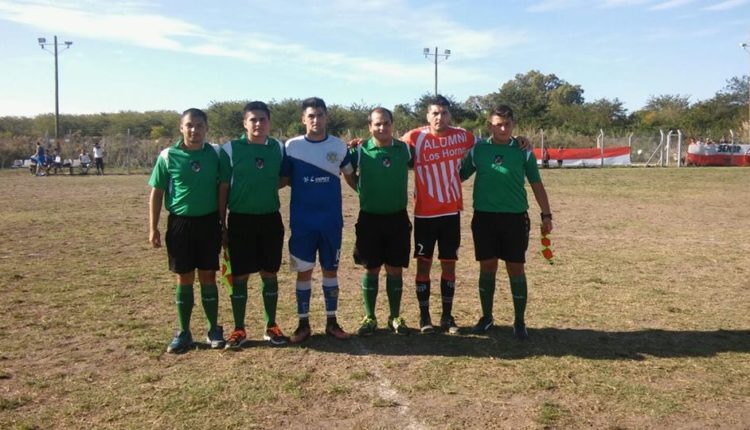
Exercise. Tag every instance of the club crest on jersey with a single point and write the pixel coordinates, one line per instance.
(498, 160)
(195, 166)
(260, 163)
(332, 157)
(387, 161)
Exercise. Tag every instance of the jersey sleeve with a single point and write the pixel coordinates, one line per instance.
(225, 166)
(159, 176)
(354, 155)
(467, 166)
(408, 138)
(530, 167)
(346, 164)
(286, 164)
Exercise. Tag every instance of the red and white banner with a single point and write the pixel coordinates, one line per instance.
(701, 154)
(586, 157)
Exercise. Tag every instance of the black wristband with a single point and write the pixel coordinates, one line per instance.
(546, 216)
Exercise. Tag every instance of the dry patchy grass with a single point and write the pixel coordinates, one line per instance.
(642, 322)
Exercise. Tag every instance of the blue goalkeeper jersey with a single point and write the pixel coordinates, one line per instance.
(313, 168)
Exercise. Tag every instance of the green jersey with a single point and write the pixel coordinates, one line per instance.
(501, 171)
(189, 179)
(252, 172)
(383, 176)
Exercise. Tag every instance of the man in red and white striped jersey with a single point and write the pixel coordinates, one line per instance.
(438, 151)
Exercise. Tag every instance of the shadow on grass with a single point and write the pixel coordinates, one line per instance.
(554, 342)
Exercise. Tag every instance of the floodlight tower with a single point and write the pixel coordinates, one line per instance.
(436, 56)
(746, 47)
(43, 44)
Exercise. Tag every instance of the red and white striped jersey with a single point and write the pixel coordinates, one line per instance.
(437, 161)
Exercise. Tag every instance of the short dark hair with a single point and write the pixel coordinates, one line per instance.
(438, 100)
(380, 110)
(195, 112)
(503, 111)
(256, 105)
(314, 102)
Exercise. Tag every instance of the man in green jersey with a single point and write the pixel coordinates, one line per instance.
(248, 184)
(383, 229)
(500, 226)
(187, 175)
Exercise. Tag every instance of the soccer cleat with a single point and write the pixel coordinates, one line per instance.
(398, 325)
(335, 330)
(519, 331)
(301, 334)
(215, 337)
(274, 336)
(181, 342)
(448, 324)
(236, 339)
(368, 327)
(483, 325)
(425, 324)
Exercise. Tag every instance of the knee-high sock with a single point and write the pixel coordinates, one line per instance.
(423, 296)
(184, 301)
(210, 300)
(447, 289)
(369, 293)
(486, 292)
(394, 285)
(269, 288)
(303, 290)
(519, 290)
(239, 301)
(331, 295)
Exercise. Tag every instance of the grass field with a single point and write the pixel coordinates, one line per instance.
(642, 322)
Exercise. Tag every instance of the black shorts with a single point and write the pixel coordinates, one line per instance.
(445, 230)
(99, 162)
(255, 242)
(382, 239)
(193, 242)
(500, 235)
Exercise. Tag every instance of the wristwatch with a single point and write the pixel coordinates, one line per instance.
(546, 216)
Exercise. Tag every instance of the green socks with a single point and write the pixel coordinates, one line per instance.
(519, 291)
(369, 293)
(239, 301)
(269, 288)
(393, 287)
(184, 301)
(487, 292)
(210, 300)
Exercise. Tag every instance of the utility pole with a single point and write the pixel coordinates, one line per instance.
(746, 47)
(43, 44)
(436, 56)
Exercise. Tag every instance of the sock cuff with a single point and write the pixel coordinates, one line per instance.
(269, 282)
(449, 278)
(303, 285)
(486, 275)
(208, 288)
(393, 278)
(330, 282)
(239, 283)
(184, 288)
(517, 279)
(423, 278)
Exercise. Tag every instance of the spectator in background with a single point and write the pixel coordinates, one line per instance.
(99, 159)
(39, 158)
(56, 161)
(545, 158)
(85, 161)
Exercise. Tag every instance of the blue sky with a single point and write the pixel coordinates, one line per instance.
(152, 55)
